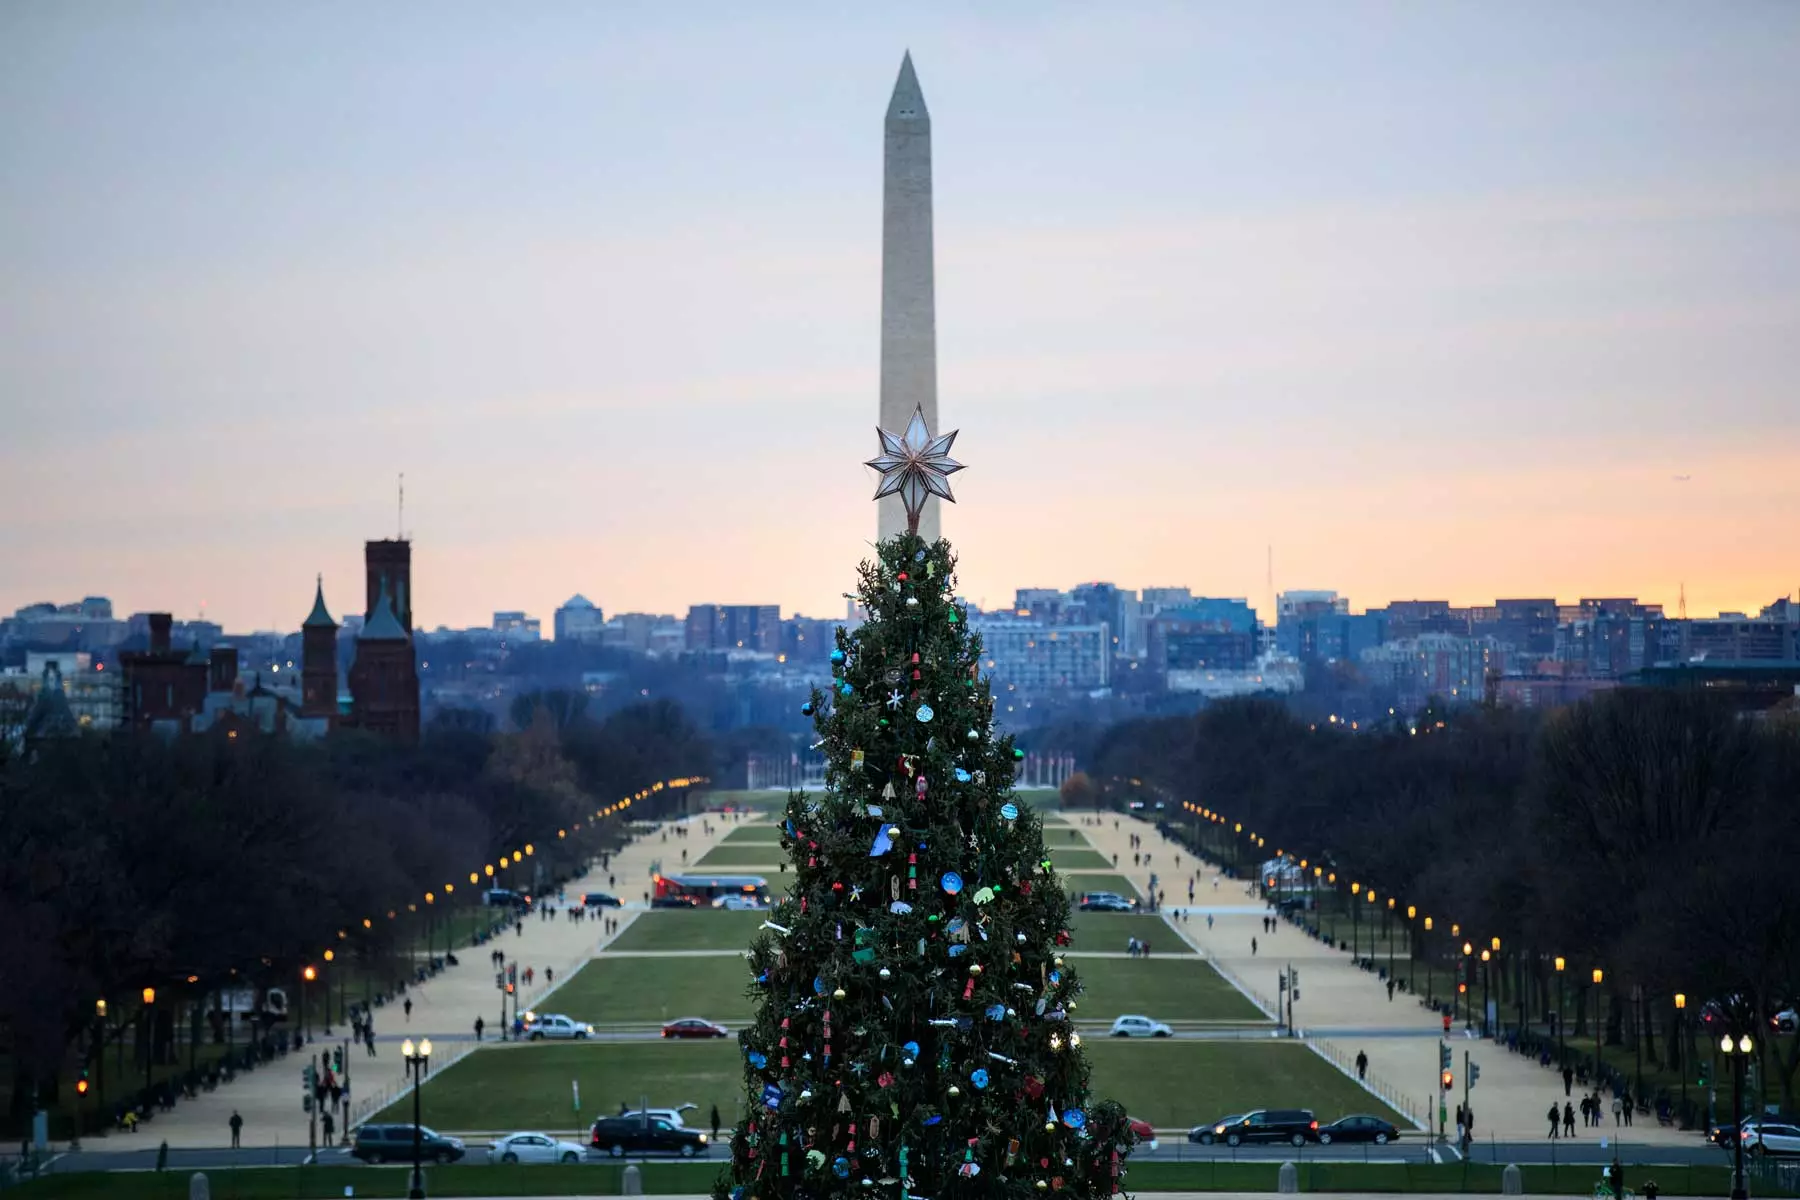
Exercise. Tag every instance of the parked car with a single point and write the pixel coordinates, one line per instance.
(601, 900)
(1206, 1135)
(554, 1025)
(394, 1143)
(694, 1027)
(640, 1134)
(1100, 903)
(1358, 1129)
(1139, 1027)
(1293, 1125)
(1767, 1137)
(534, 1148)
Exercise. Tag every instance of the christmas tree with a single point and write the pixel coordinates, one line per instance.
(914, 1033)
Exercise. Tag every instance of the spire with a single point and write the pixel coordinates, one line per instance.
(908, 102)
(382, 625)
(320, 617)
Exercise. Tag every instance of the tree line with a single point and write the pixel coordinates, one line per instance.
(1651, 834)
(207, 862)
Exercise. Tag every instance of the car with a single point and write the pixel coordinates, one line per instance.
(1358, 1129)
(601, 900)
(506, 898)
(672, 1115)
(534, 1148)
(1139, 1027)
(737, 903)
(1768, 1137)
(1146, 1133)
(694, 1027)
(1206, 1135)
(1785, 1021)
(394, 1143)
(1106, 904)
(640, 1133)
(675, 902)
(1293, 1125)
(554, 1025)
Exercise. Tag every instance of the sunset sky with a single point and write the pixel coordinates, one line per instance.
(1449, 300)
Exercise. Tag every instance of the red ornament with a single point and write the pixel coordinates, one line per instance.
(901, 577)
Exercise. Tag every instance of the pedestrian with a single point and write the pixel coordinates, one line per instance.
(549, 976)
(1209, 920)
(407, 1008)
(1390, 991)
(1568, 1119)
(337, 1093)
(237, 1127)
(1252, 947)
(1468, 1127)
(369, 1039)
(715, 1123)
(1190, 891)
(326, 1125)
(1568, 1074)
(1625, 1103)
(1553, 1118)
(479, 1026)
(1115, 859)
(1362, 1065)
(1144, 948)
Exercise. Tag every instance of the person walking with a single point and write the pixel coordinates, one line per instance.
(407, 1008)
(549, 976)
(369, 1039)
(1626, 1104)
(1252, 947)
(479, 1026)
(326, 1125)
(1568, 1078)
(1568, 1119)
(1362, 1065)
(237, 1127)
(715, 1124)
(1209, 920)
(1554, 1123)
(1390, 991)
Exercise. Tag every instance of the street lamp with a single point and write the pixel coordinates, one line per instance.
(1355, 929)
(1681, 1046)
(307, 975)
(1562, 1011)
(1462, 982)
(1486, 974)
(1387, 931)
(149, 1038)
(1430, 967)
(416, 1062)
(100, 1053)
(1736, 1051)
(1599, 978)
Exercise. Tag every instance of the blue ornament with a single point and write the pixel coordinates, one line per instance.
(837, 658)
(978, 1077)
(840, 1166)
(1074, 1118)
(952, 882)
(819, 984)
(924, 714)
(737, 1193)
(843, 687)
(1010, 811)
(771, 1096)
(911, 1048)
(957, 948)
(962, 776)
(758, 1059)
(996, 1012)
(883, 841)
(933, 1119)
(1055, 977)
(806, 710)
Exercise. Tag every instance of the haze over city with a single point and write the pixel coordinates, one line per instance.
(1438, 302)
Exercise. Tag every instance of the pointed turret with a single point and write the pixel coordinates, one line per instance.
(908, 101)
(382, 625)
(320, 617)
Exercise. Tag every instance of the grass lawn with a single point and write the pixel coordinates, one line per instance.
(1094, 881)
(1042, 799)
(1108, 932)
(703, 929)
(1163, 989)
(656, 989)
(1069, 857)
(755, 834)
(764, 854)
(1177, 1084)
(527, 1087)
(759, 800)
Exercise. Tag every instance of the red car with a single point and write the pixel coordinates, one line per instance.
(1145, 1132)
(694, 1027)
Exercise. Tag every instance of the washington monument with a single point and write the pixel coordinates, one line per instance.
(908, 303)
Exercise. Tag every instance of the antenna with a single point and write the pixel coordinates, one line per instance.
(1681, 603)
(400, 531)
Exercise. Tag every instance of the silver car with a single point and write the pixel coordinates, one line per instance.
(534, 1148)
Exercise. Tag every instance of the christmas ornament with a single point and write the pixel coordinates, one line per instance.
(895, 699)
(837, 658)
(806, 710)
(972, 736)
(1009, 811)
(915, 466)
(952, 882)
(856, 760)
(924, 714)
(962, 776)
(979, 1077)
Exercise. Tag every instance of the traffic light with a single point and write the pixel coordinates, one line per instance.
(1444, 1057)
(1462, 989)
(1474, 1073)
(308, 1078)
(81, 1085)
(1702, 1080)
(1449, 1080)
(337, 1059)
(509, 989)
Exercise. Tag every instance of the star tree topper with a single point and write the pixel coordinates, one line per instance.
(915, 466)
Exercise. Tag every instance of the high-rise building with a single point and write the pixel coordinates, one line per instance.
(908, 285)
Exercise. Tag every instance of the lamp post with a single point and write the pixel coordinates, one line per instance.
(1430, 967)
(1462, 985)
(307, 975)
(1387, 931)
(1562, 1011)
(416, 1062)
(1486, 974)
(149, 1038)
(1736, 1051)
(1355, 928)
(1681, 1046)
(1599, 978)
(1412, 948)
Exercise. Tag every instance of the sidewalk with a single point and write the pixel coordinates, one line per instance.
(1349, 1005)
(444, 1009)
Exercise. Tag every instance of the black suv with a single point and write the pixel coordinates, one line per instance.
(394, 1143)
(619, 1136)
(1293, 1125)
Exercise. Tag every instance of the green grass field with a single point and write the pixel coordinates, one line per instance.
(1176, 1084)
(761, 834)
(1093, 881)
(527, 1087)
(656, 989)
(1079, 858)
(1181, 988)
(743, 854)
(759, 801)
(703, 929)
(1108, 932)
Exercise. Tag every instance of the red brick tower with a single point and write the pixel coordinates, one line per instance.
(318, 660)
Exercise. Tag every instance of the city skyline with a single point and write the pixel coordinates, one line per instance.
(1439, 305)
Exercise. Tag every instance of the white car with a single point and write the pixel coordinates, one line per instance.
(1766, 1137)
(555, 1025)
(737, 903)
(1140, 1027)
(671, 1115)
(534, 1148)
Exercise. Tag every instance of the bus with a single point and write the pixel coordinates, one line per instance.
(702, 891)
